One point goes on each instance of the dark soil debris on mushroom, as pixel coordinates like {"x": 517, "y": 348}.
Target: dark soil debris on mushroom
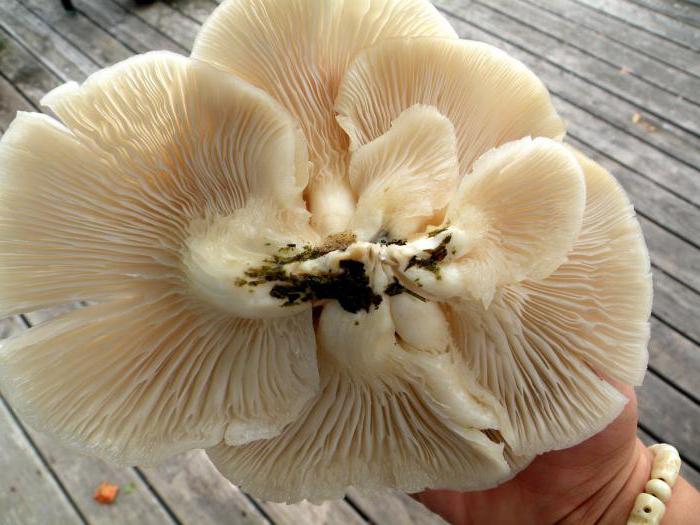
{"x": 435, "y": 255}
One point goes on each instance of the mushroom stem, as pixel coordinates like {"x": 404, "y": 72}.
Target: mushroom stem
{"x": 332, "y": 204}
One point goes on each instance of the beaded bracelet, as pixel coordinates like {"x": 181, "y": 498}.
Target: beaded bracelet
{"x": 649, "y": 507}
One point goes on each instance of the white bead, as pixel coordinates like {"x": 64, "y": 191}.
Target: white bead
{"x": 647, "y": 510}
{"x": 658, "y": 488}
{"x": 666, "y": 464}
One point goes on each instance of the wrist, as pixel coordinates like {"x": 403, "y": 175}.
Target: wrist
{"x": 612, "y": 502}
{"x": 684, "y": 506}
{"x": 621, "y": 503}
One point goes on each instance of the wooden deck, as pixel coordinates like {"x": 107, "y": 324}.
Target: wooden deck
{"x": 624, "y": 73}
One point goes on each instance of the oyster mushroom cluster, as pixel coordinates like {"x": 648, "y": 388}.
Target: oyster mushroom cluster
{"x": 337, "y": 246}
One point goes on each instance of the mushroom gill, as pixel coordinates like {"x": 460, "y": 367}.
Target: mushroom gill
{"x": 102, "y": 209}
{"x": 298, "y": 52}
{"x": 338, "y": 244}
{"x": 548, "y": 336}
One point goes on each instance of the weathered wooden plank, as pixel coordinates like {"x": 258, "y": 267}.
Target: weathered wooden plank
{"x": 394, "y": 508}
{"x": 328, "y": 513}
{"x": 79, "y": 30}
{"x": 624, "y": 59}
{"x": 80, "y": 475}
{"x": 675, "y": 357}
{"x": 131, "y": 31}
{"x": 10, "y": 326}
{"x": 677, "y": 305}
{"x": 593, "y": 71}
{"x": 649, "y": 21}
{"x": 690, "y": 474}
{"x": 166, "y": 20}
{"x": 10, "y": 102}
{"x": 59, "y": 55}
{"x": 612, "y": 117}
{"x": 684, "y": 12}
{"x": 29, "y": 494}
{"x": 677, "y": 215}
{"x": 671, "y": 254}
{"x": 104, "y": 47}
{"x": 671, "y": 416}
{"x": 197, "y": 10}
{"x": 199, "y": 494}
{"x": 687, "y": 13}
{"x": 29, "y": 76}
{"x": 632, "y": 152}
{"x": 190, "y": 485}
{"x": 616, "y": 30}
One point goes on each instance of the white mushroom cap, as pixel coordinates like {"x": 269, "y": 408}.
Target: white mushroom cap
{"x": 400, "y": 419}
{"x": 523, "y": 212}
{"x": 405, "y": 178}
{"x": 155, "y": 149}
{"x": 478, "y": 276}
{"x": 538, "y": 344}
{"x": 490, "y": 97}
{"x": 515, "y": 215}
{"x": 298, "y": 51}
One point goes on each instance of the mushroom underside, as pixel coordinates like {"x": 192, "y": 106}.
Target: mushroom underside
{"x": 424, "y": 281}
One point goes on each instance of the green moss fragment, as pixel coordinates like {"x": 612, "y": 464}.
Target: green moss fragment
{"x": 265, "y": 273}
{"x": 338, "y": 241}
{"x": 435, "y": 256}
{"x": 349, "y": 286}
{"x": 437, "y": 232}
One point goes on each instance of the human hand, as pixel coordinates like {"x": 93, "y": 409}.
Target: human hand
{"x": 593, "y": 482}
